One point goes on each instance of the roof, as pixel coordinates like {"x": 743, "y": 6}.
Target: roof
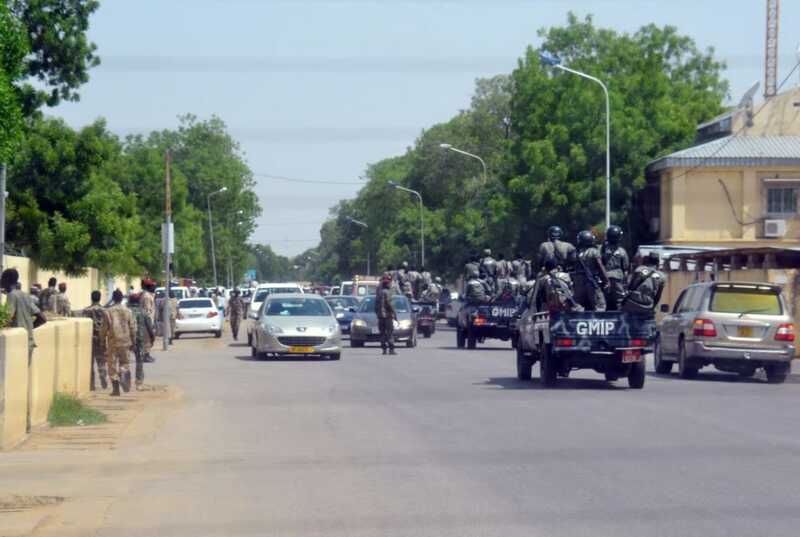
{"x": 734, "y": 151}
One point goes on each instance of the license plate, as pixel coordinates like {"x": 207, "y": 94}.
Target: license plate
{"x": 195, "y": 315}
{"x": 630, "y": 356}
{"x": 301, "y": 350}
{"x": 745, "y": 331}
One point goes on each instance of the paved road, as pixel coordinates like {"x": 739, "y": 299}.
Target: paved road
{"x": 441, "y": 442}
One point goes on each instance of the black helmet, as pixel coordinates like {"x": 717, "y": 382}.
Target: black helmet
{"x": 614, "y": 234}
{"x": 586, "y": 239}
{"x": 554, "y": 233}
{"x": 652, "y": 259}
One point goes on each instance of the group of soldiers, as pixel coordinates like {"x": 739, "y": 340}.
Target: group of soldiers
{"x": 53, "y": 300}
{"x": 581, "y": 277}
{"x": 417, "y": 285}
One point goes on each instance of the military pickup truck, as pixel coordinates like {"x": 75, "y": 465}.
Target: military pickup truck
{"x": 613, "y": 343}
{"x": 477, "y": 323}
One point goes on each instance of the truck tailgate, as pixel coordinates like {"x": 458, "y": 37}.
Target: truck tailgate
{"x": 611, "y": 328}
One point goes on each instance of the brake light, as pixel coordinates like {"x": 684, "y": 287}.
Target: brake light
{"x": 212, "y": 314}
{"x": 785, "y": 332}
{"x": 479, "y": 321}
{"x": 704, "y": 328}
{"x": 638, "y": 343}
{"x": 565, "y": 342}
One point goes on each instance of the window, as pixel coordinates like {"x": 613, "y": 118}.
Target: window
{"x": 745, "y": 300}
{"x": 297, "y": 307}
{"x": 199, "y": 303}
{"x": 781, "y": 200}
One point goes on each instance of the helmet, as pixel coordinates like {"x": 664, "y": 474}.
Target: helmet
{"x": 437, "y": 279}
{"x": 554, "y": 233}
{"x": 614, "y": 234}
{"x": 473, "y": 273}
{"x": 586, "y": 239}
{"x": 405, "y": 265}
{"x": 487, "y": 252}
{"x": 652, "y": 259}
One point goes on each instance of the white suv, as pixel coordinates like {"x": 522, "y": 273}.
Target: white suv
{"x": 259, "y": 295}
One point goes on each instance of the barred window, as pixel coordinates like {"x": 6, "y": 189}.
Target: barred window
{"x": 782, "y": 200}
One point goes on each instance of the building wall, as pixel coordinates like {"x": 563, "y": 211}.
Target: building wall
{"x": 777, "y": 117}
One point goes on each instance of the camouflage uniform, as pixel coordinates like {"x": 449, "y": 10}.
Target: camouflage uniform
{"x": 100, "y": 326}
{"x": 477, "y": 291}
{"x": 63, "y": 307}
{"x": 644, "y": 290}
{"x": 617, "y": 264}
{"x": 148, "y": 305}
{"x": 234, "y": 313}
{"x": 386, "y": 317}
{"x": 557, "y": 294}
{"x": 144, "y": 336}
{"x": 173, "y": 316}
{"x": 122, "y": 334}
{"x": 47, "y": 300}
{"x": 588, "y": 272}
{"x": 563, "y": 252}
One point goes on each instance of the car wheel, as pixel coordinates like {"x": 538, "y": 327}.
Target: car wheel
{"x": 461, "y": 339}
{"x": 611, "y": 377}
{"x": 356, "y": 343}
{"x": 334, "y": 356}
{"x": 218, "y": 334}
{"x": 548, "y": 372}
{"x": 250, "y": 338}
{"x": 177, "y": 335}
{"x": 412, "y": 342}
{"x": 514, "y": 342}
{"x": 253, "y": 352}
{"x": 524, "y": 365}
{"x": 472, "y": 341}
{"x": 636, "y": 375}
{"x": 777, "y": 373}
{"x": 685, "y": 371}
{"x": 662, "y": 366}
{"x": 426, "y": 333}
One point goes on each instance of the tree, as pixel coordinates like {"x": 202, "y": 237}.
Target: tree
{"x": 13, "y": 48}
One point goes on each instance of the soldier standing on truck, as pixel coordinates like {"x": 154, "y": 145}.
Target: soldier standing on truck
{"x": 554, "y": 290}
{"x": 618, "y": 266}
{"x": 477, "y": 290}
{"x": 645, "y": 287}
{"x": 590, "y": 274}
{"x": 488, "y": 265}
{"x": 562, "y": 251}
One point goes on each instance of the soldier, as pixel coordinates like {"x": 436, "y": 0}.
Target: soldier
{"x": 618, "y": 266}
{"x": 427, "y": 279}
{"x": 63, "y": 305}
{"x": 148, "y": 305}
{"x": 173, "y": 314}
{"x": 562, "y": 251}
{"x": 477, "y": 290}
{"x": 555, "y": 289}
{"x": 386, "y": 315}
{"x": 519, "y": 268}
{"x": 414, "y": 282}
{"x": 645, "y": 286}
{"x": 47, "y": 302}
{"x": 489, "y": 265}
{"x": 122, "y": 334}
{"x": 234, "y": 313}
{"x": 21, "y": 311}
{"x": 145, "y": 334}
{"x": 100, "y": 326}
{"x": 590, "y": 274}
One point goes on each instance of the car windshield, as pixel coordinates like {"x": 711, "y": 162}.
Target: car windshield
{"x": 199, "y": 303}
{"x": 261, "y": 294}
{"x": 746, "y": 300}
{"x": 400, "y": 304}
{"x": 297, "y": 307}
{"x": 342, "y": 302}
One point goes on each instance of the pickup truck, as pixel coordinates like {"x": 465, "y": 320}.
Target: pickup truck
{"x": 612, "y": 342}
{"x": 477, "y": 323}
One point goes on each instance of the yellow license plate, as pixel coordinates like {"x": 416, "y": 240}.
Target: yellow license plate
{"x": 301, "y": 350}
{"x": 745, "y": 331}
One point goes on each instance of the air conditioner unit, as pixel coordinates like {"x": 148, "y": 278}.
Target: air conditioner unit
{"x": 774, "y": 229}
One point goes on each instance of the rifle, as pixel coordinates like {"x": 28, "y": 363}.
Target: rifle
{"x": 588, "y": 273}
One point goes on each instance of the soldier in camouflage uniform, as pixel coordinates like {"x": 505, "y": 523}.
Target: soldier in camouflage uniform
{"x": 477, "y": 290}
{"x": 63, "y": 306}
{"x": 554, "y": 290}
{"x": 488, "y": 265}
{"x": 122, "y": 334}
{"x": 234, "y": 312}
{"x": 590, "y": 274}
{"x": 100, "y": 326}
{"x": 563, "y": 252}
{"x": 645, "y": 287}
{"x": 148, "y": 305}
{"x": 618, "y": 266}
{"x": 145, "y": 334}
{"x": 47, "y": 300}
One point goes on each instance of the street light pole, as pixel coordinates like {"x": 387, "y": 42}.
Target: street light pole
{"x": 556, "y": 62}
{"x": 468, "y": 154}
{"x": 211, "y": 231}
{"x": 365, "y": 226}
{"x": 421, "y": 218}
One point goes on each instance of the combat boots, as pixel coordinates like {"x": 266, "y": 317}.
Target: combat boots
{"x": 125, "y": 381}
{"x": 148, "y": 359}
{"x": 103, "y": 379}
{"x": 115, "y": 391}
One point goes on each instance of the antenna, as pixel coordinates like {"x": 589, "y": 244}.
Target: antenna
{"x": 747, "y": 98}
{"x": 771, "y": 49}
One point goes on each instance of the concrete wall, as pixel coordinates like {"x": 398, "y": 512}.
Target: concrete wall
{"x": 13, "y": 386}
{"x": 61, "y": 362}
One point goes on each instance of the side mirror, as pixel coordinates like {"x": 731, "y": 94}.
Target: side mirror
{"x": 416, "y": 309}
{"x": 664, "y": 308}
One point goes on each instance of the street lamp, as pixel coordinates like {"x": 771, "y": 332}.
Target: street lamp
{"x": 449, "y": 147}
{"x": 421, "y": 218}
{"x": 365, "y": 226}
{"x": 553, "y": 61}
{"x": 211, "y": 231}
{"x": 235, "y": 225}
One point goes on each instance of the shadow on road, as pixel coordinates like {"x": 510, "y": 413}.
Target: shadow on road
{"x": 283, "y": 359}
{"x": 719, "y": 376}
{"x": 454, "y": 348}
{"x": 238, "y": 345}
{"x": 513, "y": 383}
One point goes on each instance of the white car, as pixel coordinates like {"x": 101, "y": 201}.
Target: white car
{"x": 198, "y": 315}
{"x": 179, "y": 292}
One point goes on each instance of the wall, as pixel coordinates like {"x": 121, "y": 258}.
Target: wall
{"x": 13, "y": 386}
{"x": 777, "y": 117}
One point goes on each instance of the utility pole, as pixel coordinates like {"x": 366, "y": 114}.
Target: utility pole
{"x": 168, "y": 241}
{"x": 771, "y": 49}
{"x": 2, "y": 215}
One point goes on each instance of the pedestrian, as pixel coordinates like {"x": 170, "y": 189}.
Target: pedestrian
{"x": 235, "y": 312}
{"x": 148, "y": 305}
{"x": 145, "y": 334}
{"x": 122, "y": 334}
{"x": 22, "y": 312}
{"x": 645, "y": 287}
{"x": 47, "y": 297}
{"x": 101, "y": 323}
{"x": 384, "y": 310}
{"x": 63, "y": 305}
{"x": 618, "y": 266}
{"x": 173, "y": 314}
{"x": 590, "y": 274}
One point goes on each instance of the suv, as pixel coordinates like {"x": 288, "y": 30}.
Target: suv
{"x": 737, "y": 327}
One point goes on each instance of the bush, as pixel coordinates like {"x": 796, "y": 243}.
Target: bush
{"x": 5, "y": 318}
{"x": 68, "y": 411}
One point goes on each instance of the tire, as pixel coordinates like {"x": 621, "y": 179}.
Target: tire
{"x": 747, "y": 373}
{"x": 412, "y": 342}
{"x": 253, "y": 353}
{"x": 637, "y": 375}
{"x": 524, "y": 365}
{"x": 662, "y": 366}
{"x": 356, "y": 343}
{"x": 461, "y": 339}
{"x": 334, "y": 356}
{"x": 514, "y": 342}
{"x": 177, "y": 335}
{"x": 250, "y": 339}
{"x": 548, "y": 372}
{"x": 218, "y": 334}
{"x": 426, "y": 333}
{"x": 777, "y": 373}
{"x": 684, "y": 370}
{"x": 611, "y": 377}
{"x": 472, "y": 341}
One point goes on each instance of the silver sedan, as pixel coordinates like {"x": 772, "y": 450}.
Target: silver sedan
{"x": 294, "y": 324}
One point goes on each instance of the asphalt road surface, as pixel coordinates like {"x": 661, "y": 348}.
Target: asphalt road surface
{"x": 442, "y": 442}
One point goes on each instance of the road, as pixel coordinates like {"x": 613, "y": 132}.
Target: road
{"x": 441, "y": 442}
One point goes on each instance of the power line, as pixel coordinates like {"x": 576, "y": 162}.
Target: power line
{"x": 306, "y": 181}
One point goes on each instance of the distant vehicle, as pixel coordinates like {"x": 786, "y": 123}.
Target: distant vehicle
{"x": 260, "y": 294}
{"x": 360, "y": 286}
{"x": 426, "y": 317}
{"x": 452, "y": 308}
{"x": 179, "y": 292}
{"x": 198, "y": 315}
{"x": 336, "y": 290}
{"x": 364, "y": 327}
{"x": 737, "y": 327}
{"x": 296, "y": 324}
{"x": 344, "y": 308}
{"x": 495, "y": 320}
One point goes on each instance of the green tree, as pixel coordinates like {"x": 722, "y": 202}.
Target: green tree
{"x": 13, "y": 48}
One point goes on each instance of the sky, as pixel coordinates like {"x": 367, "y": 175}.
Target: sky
{"x": 318, "y": 89}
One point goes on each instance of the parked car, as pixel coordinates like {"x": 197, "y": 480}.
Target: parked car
{"x": 296, "y": 324}
{"x": 738, "y": 327}
{"x": 344, "y": 307}
{"x": 197, "y": 315}
{"x": 364, "y": 327}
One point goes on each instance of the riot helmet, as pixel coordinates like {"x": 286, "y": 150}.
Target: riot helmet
{"x": 586, "y": 239}
{"x": 614, "y": 235}
{"x": 554, "y": 233}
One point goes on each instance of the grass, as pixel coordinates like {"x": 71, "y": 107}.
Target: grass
{"x": 68, "y": 411}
